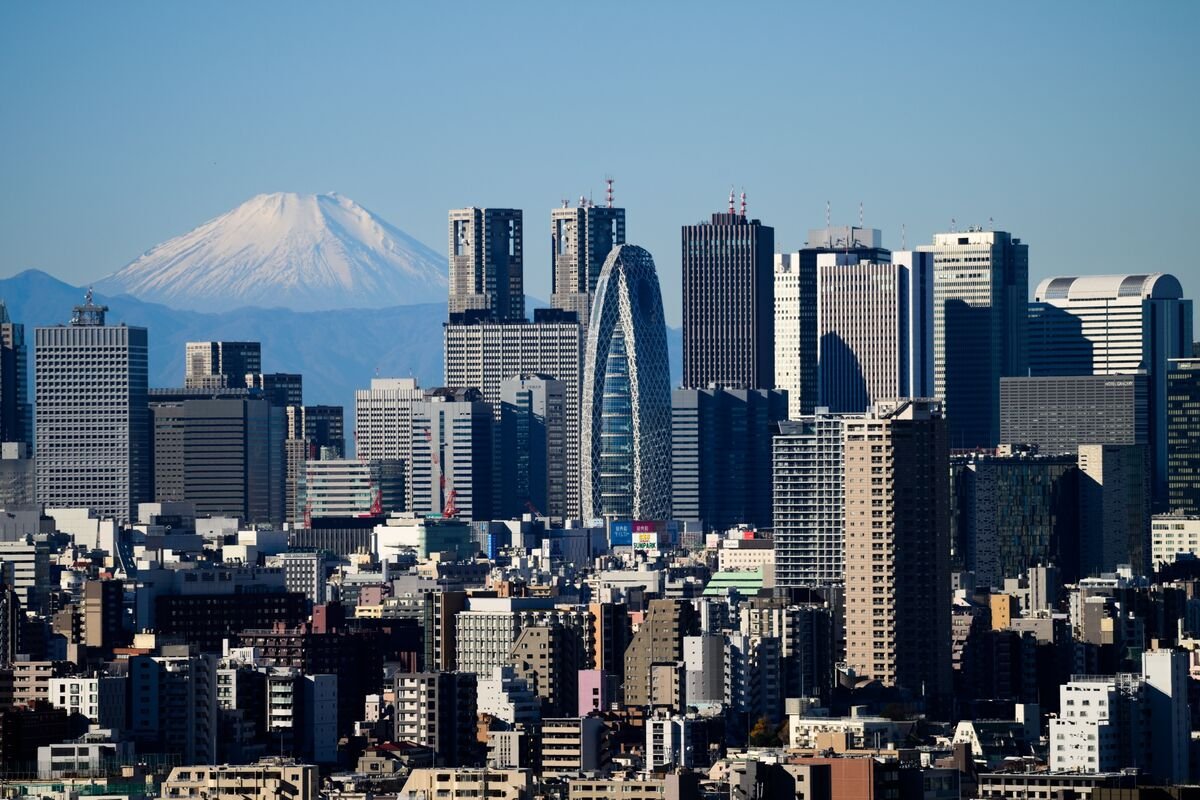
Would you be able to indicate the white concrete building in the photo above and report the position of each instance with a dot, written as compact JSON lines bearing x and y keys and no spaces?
{"x":669,"y":743}
{"x":507,"y":697}
{"x":100,"y":698}
{"x":1172,"y":535}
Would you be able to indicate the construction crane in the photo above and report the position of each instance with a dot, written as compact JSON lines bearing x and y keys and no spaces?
{"x":451,"y":510}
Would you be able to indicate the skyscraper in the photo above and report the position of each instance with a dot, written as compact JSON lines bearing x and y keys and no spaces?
{"x":1126,"y":323}
{"x":1183,"y":436}
{"x":486,"y":263}
{"x":728,"y":303}
{"x":383,"y":416}
{"x":93,"y":424}
{"x":219,"y":365}
{"x":898,"y":545}
{"x":533,"y":443}
{"x":721,"y":455}
{"x":482,"y":354}
{"x":626,"y":406}
{"x":1058,"y":414}
{"x":874,"y":329}
{"x":580,"y":239}
{"x":15,"y":416}
{"x":452,"y":454}
{"x":796,"y":307}
{"x":809,"y":508}
{"x":980,"y":297}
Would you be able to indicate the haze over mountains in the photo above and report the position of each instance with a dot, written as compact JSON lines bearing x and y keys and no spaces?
{"x":285,"y":250}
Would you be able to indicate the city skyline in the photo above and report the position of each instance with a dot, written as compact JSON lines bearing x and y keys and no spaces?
{"x":1059,"y":174}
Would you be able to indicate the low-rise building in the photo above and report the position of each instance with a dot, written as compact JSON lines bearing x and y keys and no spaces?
{"x":468,"y":784}
{"x":267,"y":780}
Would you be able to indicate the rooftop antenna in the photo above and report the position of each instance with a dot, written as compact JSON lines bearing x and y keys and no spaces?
{"x":953,"y":225}
{"x":566,"y":203}
{"x":609,"y":191}
{"x":743,"y":203}
{"x":730,"y":199}
{"x":582,"y":201}
{"x":827,"y":215}
{"x":860,"y":213}
{"x":991,"y":224}
{"x":903,"y":234}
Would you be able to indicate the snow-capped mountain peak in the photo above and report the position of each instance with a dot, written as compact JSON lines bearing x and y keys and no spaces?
{"x":303,"y":252}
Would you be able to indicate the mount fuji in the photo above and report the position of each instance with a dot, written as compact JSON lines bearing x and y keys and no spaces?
{"x":301,"y":252}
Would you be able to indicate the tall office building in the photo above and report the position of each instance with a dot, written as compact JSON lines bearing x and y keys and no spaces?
{"x":219,"y":365}
{"x":1057,"y":414}
{"x":1114,"y":498}
{"x":281,"y":388}
{"x":980,"y":300}
{"x":16,"y":417}
{"x":486,"y":263}
{"x":353,"y":488}
{"x":580,"y":239}
{"x":1183,"y":436}
{"x":626,"y":406}
{"x":452,"y":442}
{"x":1126,"y":324}
{"x":533,"y":438}
{"x":224,"y":455}
{"x":874,"y":329}
{"x":721,"y":455}
{"x":93,"y":423}
{"x":321,"y":427}
{"x":728,"y":303}
{"x":809,"y":509}
{"x":898,"y":545}
{"x":796,"y":307}
{"x":383,"y":417}
{"x":1015,"y":512}
{"x":483,"y":354}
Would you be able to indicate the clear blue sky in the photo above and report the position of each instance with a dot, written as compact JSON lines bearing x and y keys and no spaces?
{"x":1074,"y":125}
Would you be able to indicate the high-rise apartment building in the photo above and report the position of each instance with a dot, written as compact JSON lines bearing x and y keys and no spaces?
{"x":224,"y":455}
{"x":626,"y":403}
{"x":796,"y":307}
{"x":533,"y":437}
{"x":484,"y":354}
{"x":16,"y":417}
{"x":486,"y":263}
{"x":1057,"y":414}
{"x":220,"y":365}
{"x":721,"y":455}
{"x":437,"y":710}
{"x":807,"y":477}
{"x":874,"y":329}
{"x":897,"y":546}
{"x":452,"y":454}
{"x":659,"y":640}
{"x":93,"y":423}
{"x":1183,"y":436}
{"x":980,"y":300}
{"x":580,"y":239}
{"x":728,"y":303}
{"x":1126,"y":324}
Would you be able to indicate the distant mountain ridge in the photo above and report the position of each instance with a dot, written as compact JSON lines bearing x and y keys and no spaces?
{"x":336,"y":352}
{"x":286,"y":250}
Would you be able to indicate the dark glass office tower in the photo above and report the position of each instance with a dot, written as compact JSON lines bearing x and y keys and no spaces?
{"x":729,"y":303}
{"x":1183,"y":436}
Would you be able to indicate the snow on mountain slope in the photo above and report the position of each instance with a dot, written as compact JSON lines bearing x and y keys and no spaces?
{"x":302,"y":252}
